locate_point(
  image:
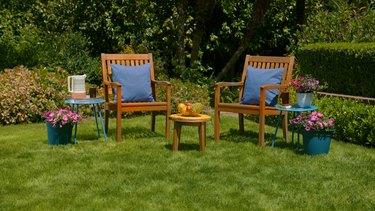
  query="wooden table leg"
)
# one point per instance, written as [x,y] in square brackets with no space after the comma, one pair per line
[202,136]
[176,135]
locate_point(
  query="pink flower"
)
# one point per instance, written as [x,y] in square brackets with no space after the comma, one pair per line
[61,117]
[307,84]
[313,121]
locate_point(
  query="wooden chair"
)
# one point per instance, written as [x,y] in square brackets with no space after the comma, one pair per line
[120,107]
[262,110]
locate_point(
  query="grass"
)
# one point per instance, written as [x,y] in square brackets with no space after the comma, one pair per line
[142,173]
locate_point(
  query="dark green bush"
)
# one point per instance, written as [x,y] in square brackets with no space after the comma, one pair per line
[354,121]
[345,23]
[70,51]
[25,94]
[19,40]
[347,67]
[22,43]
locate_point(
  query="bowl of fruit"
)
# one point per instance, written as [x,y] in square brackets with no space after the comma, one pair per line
[190,109]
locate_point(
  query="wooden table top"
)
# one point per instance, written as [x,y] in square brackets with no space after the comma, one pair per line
[180,118]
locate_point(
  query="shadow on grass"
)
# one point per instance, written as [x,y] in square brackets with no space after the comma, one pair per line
[134,133]
[252,137]
[184,147]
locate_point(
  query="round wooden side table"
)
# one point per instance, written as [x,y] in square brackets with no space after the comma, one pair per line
[199,121]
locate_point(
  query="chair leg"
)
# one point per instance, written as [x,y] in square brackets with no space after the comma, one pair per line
[217,126]
[240,121]
[285,126]
[106,120]
[167,124]
[262,120]
[153,116]
[118,127]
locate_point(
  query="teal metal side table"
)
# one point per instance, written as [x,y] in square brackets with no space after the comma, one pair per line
[95,102]
[294,109]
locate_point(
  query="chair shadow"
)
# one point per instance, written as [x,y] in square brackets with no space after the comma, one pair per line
[134,132]
[235,136]
[88,137]
[184,147]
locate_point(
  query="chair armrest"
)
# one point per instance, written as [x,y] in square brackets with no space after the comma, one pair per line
[273,86]
[263,89]
[223,84]
[161,82]
[115,85]
[218,86]
[167,85]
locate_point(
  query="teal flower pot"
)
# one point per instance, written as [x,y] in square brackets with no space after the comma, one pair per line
[316,142]
[57,135]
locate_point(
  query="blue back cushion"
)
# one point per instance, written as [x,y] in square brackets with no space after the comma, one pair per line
[135,81]
[257,77]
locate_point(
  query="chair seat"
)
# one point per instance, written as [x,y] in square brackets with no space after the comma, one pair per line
[138,106]
[246,109]
[134,104]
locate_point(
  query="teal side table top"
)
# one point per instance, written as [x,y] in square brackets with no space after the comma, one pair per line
[95,102]
[86,101]
[296,108]
[291,108]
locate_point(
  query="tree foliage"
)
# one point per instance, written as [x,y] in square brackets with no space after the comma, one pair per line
[194,40]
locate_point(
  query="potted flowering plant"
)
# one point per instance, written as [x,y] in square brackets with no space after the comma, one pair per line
[305,86]
[317,131]
[59,125]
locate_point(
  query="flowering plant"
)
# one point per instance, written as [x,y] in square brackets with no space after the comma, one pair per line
[307,84]
[314,121]
[61,117]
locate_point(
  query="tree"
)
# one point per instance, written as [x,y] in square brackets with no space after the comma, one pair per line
[181,10]
[259,10]
[204,12]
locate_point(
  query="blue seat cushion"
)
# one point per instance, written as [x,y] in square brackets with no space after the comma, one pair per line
[135,81]
[255,78]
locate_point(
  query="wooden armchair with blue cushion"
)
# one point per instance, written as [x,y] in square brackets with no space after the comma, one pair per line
[131,80]
[263,80]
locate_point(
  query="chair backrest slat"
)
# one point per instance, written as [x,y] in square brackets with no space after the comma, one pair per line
[127,60]
[269,62]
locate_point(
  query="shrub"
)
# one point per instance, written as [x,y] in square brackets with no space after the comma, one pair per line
[70,51]
[346,67]
[22,43]
[186,92]
[19,40]
[25,94]
[354,121]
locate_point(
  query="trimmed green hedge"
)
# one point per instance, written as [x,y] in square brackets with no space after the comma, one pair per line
[347,67]
[354,121]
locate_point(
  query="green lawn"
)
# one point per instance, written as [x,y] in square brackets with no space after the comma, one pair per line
[142,173]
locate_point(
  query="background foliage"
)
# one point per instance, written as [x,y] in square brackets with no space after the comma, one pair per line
[354,121]
[347,67]
[25,94]
[71,34]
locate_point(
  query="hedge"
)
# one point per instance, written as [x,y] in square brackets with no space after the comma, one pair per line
[354,121]
[347,67]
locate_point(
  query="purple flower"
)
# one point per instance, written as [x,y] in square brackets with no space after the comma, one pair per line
[307,84]
[313,121]
[61,117]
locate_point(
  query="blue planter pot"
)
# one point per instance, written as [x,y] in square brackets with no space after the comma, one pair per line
[59,136]
[316,142]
